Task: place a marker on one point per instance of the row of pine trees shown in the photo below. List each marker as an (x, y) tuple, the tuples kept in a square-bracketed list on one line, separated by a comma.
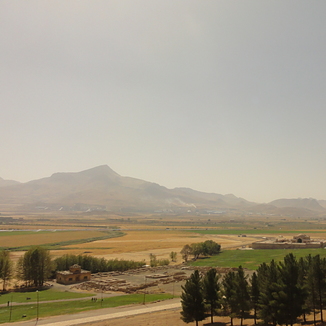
[(95, 264), (277, 293)]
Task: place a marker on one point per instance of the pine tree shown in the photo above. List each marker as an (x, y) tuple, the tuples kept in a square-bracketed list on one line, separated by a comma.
[(229, 295), (211, 290), (302, 281), (254, 294), (242, 294), (192, 302), (316, 283), (268, 277), (292, 296), (311, 300)]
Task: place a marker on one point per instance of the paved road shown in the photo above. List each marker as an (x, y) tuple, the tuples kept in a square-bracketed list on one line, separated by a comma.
[(103, 314)]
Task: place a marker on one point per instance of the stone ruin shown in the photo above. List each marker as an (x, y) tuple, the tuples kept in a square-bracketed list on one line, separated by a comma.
[(116, 281)]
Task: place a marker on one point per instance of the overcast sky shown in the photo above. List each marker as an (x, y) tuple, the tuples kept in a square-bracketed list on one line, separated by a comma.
[(219, 96)]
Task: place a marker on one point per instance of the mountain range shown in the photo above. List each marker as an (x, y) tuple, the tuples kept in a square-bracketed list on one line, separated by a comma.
[(101, 188)]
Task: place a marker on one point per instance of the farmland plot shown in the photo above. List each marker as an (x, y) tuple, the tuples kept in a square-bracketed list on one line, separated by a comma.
[(29, 238), (137, 245)]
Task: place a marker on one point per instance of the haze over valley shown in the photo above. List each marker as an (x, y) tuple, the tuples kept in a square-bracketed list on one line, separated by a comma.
[(214, 96), (144, 142), (102, 189)]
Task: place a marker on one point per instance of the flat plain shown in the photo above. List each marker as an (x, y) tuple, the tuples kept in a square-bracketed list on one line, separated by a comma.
[(136, 237), (138, 245)]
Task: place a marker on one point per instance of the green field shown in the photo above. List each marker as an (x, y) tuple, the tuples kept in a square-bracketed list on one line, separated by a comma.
[(60, 308), (251, 259), (23, 232), (45, 295)]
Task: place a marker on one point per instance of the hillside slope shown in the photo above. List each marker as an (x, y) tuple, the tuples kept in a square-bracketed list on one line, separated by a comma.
[(101, 186)]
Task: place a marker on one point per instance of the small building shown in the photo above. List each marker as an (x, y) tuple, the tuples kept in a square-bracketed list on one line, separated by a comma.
[(297, 242), (74, 275), (301, 238)]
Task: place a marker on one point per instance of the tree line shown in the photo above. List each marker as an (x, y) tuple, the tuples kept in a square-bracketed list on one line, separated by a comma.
[(36, 265), (94, 264), (277, 293)]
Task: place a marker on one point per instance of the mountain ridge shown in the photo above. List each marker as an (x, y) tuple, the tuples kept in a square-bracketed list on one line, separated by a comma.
[(104, 188), (6, 183), (308, 203)]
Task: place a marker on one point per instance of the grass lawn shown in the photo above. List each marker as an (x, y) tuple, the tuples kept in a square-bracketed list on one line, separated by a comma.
[(45, 295), (70, 307), (251, 259)]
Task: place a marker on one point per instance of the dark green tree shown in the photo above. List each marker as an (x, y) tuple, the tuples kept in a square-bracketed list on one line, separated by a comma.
[(95, 264), (254, 294), (291, 296), (207, 248), (268, 278), (311, 300), (211, 291), (192, 301), (196, 250), (35, 266), (6, 267), (229, 298), (242, 294), (316, 284), (210, 248), (302, 281)]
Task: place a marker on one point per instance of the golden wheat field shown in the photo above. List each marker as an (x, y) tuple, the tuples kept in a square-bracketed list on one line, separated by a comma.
[(138, 245)]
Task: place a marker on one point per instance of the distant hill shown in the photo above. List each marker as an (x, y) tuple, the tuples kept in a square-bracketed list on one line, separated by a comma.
[(226, 201), (306, 203), (5, 183), (271, 210), (103, 188), (322, 203)]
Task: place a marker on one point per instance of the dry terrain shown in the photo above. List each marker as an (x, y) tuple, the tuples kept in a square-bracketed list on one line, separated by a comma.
[(165, 318), (169, 318), (162, 318), (137, 245)]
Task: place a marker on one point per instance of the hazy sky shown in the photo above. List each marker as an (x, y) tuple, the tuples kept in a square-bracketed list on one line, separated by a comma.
[(219, 96)]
